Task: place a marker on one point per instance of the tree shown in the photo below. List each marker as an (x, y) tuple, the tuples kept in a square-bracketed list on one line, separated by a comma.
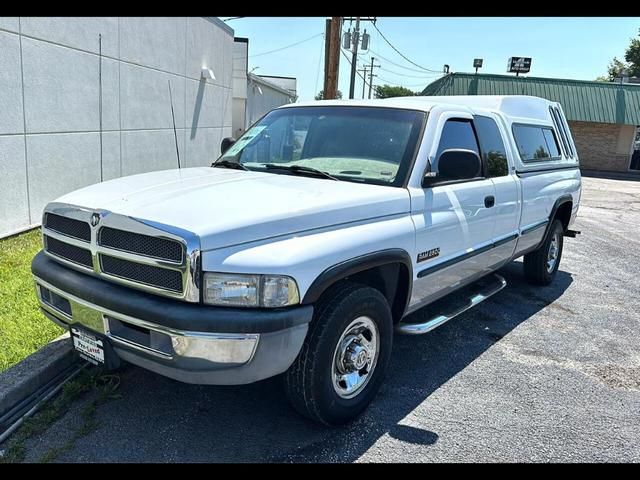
[(615, 69), (632, 55), (320, 95), (631, 63), (540, 153), (388, 91)]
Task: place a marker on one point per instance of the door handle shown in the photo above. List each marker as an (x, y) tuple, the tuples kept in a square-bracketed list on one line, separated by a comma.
[(489, 201)]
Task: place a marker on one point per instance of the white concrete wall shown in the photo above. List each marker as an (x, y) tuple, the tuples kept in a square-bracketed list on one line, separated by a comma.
[(240, 57), (49, 103)]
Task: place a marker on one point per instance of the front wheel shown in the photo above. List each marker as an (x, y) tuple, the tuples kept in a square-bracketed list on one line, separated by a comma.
[(343, 360), (541, 265)]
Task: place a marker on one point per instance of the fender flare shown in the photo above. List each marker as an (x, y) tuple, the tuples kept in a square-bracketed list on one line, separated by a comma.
[(566, 198), (355, 265)]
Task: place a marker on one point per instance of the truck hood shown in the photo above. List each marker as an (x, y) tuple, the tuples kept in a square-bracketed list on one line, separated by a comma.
[(226, 207)]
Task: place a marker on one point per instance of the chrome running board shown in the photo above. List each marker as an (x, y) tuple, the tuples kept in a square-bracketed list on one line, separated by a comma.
[(420, 328)]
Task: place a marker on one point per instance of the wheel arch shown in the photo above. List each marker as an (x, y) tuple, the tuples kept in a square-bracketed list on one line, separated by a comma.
[(389, 271)]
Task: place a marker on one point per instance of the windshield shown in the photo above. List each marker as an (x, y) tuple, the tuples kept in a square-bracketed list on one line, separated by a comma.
[(359, 144)]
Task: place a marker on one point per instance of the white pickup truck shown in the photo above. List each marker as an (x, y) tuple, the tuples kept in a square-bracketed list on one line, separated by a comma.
[(308, 242)]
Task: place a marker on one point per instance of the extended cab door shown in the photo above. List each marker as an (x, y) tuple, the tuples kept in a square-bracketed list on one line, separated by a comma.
[(499, 166), (454, 220)]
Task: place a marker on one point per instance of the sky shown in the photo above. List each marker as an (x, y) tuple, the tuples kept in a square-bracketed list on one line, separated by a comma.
[(568, 47)]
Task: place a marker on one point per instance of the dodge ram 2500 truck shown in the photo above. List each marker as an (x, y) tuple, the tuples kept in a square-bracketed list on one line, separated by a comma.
[(305, 245)]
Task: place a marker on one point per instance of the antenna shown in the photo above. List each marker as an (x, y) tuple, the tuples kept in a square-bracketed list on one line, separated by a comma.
[(100, 101), (173, 117)]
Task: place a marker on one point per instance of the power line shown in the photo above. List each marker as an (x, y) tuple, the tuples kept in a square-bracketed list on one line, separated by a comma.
[(400, 53), (349, 61), (397, 64), (411, 76), (231, 18), (401, 85), (288, 46)]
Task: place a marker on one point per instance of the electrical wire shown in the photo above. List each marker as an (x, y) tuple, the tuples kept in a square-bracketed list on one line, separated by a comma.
[(410, 76), (401, 66), (400, 53), (389, 82), (349, 61), (288, 46)]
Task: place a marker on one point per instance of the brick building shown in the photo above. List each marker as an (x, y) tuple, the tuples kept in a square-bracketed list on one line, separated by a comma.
[(604, 117)]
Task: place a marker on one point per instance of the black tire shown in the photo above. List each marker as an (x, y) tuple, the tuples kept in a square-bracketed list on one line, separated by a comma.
[(309, 383), (536, 269)]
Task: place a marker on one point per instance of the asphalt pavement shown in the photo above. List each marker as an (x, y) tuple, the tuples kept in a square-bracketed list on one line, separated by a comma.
[(532, 374)]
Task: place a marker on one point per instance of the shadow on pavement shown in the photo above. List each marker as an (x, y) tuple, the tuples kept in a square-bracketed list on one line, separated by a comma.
[(162, 420)]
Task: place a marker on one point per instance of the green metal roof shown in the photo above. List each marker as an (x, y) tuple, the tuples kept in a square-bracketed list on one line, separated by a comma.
[(581, 100)]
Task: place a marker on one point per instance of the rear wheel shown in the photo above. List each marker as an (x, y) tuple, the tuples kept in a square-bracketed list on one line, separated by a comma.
[(344, 357), (541, 265)]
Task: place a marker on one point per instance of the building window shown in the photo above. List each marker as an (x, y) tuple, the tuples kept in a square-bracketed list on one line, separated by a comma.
[(494, 154), (536, 144)]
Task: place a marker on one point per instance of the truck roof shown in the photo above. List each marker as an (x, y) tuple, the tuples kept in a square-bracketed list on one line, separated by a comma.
[(515, 106)]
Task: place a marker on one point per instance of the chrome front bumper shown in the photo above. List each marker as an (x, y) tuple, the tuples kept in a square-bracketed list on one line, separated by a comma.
[(187, 356)]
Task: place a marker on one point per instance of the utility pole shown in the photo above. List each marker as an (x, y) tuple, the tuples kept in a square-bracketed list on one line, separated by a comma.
[(364, 78), (354, 57), (371, 75), (332, 57)]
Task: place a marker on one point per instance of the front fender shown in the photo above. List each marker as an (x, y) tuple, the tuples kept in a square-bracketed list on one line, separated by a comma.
[(306, 256)]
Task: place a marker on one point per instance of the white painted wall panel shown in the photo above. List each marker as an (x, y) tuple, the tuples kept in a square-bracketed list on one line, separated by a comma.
[(61, 89), (11, 24), (59, 163), (14, 203), (145, 101), (11, 119), (76, 32), (157, 42)]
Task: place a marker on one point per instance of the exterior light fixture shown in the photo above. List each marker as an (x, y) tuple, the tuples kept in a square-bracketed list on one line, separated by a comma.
[(207, 73)]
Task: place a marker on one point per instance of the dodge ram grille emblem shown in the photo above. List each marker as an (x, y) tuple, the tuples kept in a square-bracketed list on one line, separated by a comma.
[(95, 219)]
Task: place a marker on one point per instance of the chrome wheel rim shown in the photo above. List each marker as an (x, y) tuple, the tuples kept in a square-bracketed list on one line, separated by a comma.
[(355, 357), (552, 256)]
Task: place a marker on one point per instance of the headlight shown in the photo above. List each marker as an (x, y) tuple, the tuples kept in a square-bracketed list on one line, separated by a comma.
[(239, 290)]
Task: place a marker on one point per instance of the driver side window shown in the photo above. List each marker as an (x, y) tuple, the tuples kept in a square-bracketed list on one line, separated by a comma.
[(457, 133)]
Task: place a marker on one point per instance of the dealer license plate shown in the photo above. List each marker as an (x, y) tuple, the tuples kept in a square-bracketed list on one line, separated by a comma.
[(90, 347)]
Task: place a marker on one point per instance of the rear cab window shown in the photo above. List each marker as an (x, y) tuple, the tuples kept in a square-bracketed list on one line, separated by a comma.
[(536, 143)]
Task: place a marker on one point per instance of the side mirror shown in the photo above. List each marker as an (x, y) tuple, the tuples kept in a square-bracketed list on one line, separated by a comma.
[(226, 144), (456, 164)]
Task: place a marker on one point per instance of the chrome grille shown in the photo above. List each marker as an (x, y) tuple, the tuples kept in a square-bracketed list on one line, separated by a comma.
[(155, 247), (138, 272), (141, 254), (81, 256), (68, 226)]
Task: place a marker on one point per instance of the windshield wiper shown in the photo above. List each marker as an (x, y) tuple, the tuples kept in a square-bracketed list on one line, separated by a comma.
[(299, 169), (229, 164)]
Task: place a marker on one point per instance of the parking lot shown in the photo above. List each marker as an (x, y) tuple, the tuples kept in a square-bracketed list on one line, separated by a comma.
[(532, 374)]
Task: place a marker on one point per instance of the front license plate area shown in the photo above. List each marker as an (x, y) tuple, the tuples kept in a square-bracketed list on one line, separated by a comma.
[(94, 348), (89, 346)]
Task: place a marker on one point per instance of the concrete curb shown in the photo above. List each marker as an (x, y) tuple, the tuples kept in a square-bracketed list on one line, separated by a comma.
[(35, 371)]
